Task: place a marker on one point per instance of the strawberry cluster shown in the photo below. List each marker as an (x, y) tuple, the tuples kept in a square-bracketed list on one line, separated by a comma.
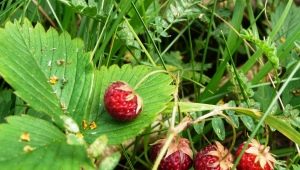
[(212, 157), (123, 104)]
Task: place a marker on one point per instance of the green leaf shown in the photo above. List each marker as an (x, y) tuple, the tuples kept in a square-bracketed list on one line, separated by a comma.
[(155, 92), (50, 72), (296, 167), (218, 127), (290, 22), (282, 126), (291, 94), (234, 117), (199, 126), (181, 10), (277, 123), (31, 143), (5, 103), (90, 8), (248, 122), (291, 115), (264, 96)]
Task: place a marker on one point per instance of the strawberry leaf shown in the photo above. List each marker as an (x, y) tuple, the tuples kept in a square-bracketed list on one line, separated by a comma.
[(31, 143), (50, 72), (155, 92)]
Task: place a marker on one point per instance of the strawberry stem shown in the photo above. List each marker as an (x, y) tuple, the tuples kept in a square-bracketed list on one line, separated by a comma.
[(148, 75), (163, 150)]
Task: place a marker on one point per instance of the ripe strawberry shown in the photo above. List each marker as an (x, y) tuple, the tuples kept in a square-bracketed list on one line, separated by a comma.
[(213, 157), (256, 157), (178, 157), (121, 102)]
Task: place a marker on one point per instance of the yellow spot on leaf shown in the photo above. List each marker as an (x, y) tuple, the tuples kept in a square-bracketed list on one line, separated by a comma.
[(53, 80), (28, 148), (79, 135), (60, 62), (296, 92), (25, 137), (63, 106), (84, 124), (93, 125), (282, 39)]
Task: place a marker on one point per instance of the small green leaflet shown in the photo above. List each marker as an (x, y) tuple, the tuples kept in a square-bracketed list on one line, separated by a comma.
[(219, 128)]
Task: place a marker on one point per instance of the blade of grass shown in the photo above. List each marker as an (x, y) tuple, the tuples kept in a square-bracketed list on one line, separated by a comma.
[(233, 42), (101, 34), (127, 158), (267, 67), (177, 37), (140, 42), (125, 6), (191, 51), (148, 33), (207, 41), (55, 16), (246, 98)]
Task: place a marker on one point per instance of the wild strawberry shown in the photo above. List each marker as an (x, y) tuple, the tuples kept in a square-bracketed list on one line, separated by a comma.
[(213, 157), (121, 102), (178, 157), (256, 157)]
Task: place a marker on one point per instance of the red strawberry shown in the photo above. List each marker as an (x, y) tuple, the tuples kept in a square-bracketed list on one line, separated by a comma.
[(178, 157), (213, 157), (256, 157), (121, 102)]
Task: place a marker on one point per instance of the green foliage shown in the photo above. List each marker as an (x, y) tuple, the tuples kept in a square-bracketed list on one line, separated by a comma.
[(265, 45), (177, 11), (290, 23), (44, 69), (263, 96), (91, 8), (6, 98), (54, 75), (234, 118), (28, 143), (291, 95), (218, 127), (154, 101), (240, 84), (292, 116), (199, 126)]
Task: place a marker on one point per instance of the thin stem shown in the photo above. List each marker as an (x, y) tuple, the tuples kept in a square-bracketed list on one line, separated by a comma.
[(175, 107), (55, 16), (111, 47), (176, 38), (42, 11), (163, 150), (139, 42), (100, 36), (148, 32), (147, 76), (207, 41)]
